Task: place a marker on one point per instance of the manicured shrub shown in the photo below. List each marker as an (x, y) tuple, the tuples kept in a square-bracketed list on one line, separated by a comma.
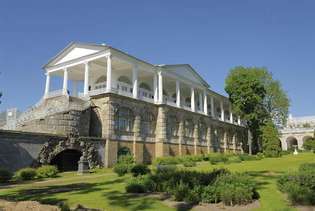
[(121, 169), (139, 169), (247, 157), (25, 174), (189, 163), (270, 140), (234, 159), (46, 171), (210, 194), (300, 185), (5, 176), (179, 191), (235, 188), (126, 159), (217, 158), (193, 195), (141, 184), (167, 161)]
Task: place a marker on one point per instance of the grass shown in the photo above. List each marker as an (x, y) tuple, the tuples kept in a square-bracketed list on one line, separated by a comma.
[(105, 190)]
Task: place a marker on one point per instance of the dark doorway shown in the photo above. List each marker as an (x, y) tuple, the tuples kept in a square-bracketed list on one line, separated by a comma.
[(67, 160)]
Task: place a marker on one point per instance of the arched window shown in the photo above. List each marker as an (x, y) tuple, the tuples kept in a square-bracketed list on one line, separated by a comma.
[(147, 123), (100, 82), (172, 126), (101, 79), (202, 130), (124, 119), (189, 128), (187, 101), (145, 86), (124, 79)]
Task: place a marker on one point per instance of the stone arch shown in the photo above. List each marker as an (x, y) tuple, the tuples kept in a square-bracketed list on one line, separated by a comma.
[(67, 160), (101, 79), (53, 147), (145, 86), (291, 142), (124, 79)]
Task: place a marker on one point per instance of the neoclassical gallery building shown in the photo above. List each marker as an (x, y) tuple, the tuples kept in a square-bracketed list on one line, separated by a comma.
[(97, 91)]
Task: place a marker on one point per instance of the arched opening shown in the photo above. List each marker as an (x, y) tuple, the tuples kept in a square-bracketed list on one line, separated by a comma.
[(67, 160), (144, 86), (291, 143), (124, 79)]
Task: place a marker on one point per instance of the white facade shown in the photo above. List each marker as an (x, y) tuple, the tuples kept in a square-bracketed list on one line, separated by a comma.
[(98, 69)]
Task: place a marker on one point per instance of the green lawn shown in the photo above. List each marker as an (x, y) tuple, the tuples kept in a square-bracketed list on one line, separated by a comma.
[(105, 190)]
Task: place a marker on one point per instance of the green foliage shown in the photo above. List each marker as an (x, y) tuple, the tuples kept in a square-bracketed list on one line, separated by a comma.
[(257, 98), (235, 189), (46, 171), (5, 176), (139, 169), (309, 145), (247, 157), (270, 140), (25, 174), (140, 184), (179, 191), (121, 169), (234, 159), (217, 158), (193, 195), (124, 165), (300, 185), (189, 163)]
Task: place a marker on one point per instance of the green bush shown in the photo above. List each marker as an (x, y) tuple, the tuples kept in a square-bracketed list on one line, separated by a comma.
[(141, 184), (234, 159), (179, 191), (25, 174), (309, 145), (217, 158), (46, 171), (126, 159), (235, 189), (139, 169), (167, 161), (121, 169), (300, 185), (5, 176), (270, 140), (247, 157), (210, 194), (193, 195), (189, 163)]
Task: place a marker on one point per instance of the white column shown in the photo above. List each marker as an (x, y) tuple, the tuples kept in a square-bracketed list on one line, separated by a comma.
[(222, 110), (65, 82), (200, 101), (205, 102), (155, 87), (74, 88), (47, 85), (160, 78), (135, 81), (231, 115), (212, 107), (192, 99), (239, 120), (177, 93), (109, 74), (86, 79)]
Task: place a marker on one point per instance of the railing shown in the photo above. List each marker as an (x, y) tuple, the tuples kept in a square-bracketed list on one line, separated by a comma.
[(124, 89), (54, 93), (170, 101), (146, 95), (101, 85)]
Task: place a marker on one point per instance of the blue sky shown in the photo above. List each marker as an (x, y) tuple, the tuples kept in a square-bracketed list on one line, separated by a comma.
[(212, 36)]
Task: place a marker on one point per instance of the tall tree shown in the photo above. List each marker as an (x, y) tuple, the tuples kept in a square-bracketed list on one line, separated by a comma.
[(257, 98)]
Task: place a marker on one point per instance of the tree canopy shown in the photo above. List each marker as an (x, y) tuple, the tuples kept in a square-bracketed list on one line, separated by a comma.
[(257, 98)]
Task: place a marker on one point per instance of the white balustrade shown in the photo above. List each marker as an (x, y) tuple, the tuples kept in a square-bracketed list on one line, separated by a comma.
[(124, 89), (146, 95)]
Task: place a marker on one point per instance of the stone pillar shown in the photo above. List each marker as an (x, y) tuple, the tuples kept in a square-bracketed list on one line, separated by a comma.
[(231, 115), (234, 143), (180, 136), (196, 138), (65, 82), (178, 94), (47, 85), (209, 139), (192, 99), (212, 107), (135, 81), (205, 102), (200, 102), (111, 150), (86, 79), (137, 145), (222, 111), (239, 120), (155, 87), (160, 78), (161, 138), (109, 74), (225, 147)]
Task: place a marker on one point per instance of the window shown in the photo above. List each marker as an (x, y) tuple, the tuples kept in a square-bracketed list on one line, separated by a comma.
[(189, 128), (124, 120), (172, 126), (147, 123)]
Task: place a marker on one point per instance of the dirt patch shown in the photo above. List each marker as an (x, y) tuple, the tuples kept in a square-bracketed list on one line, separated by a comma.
[(213, 207), (26, 206), (305, 208)]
